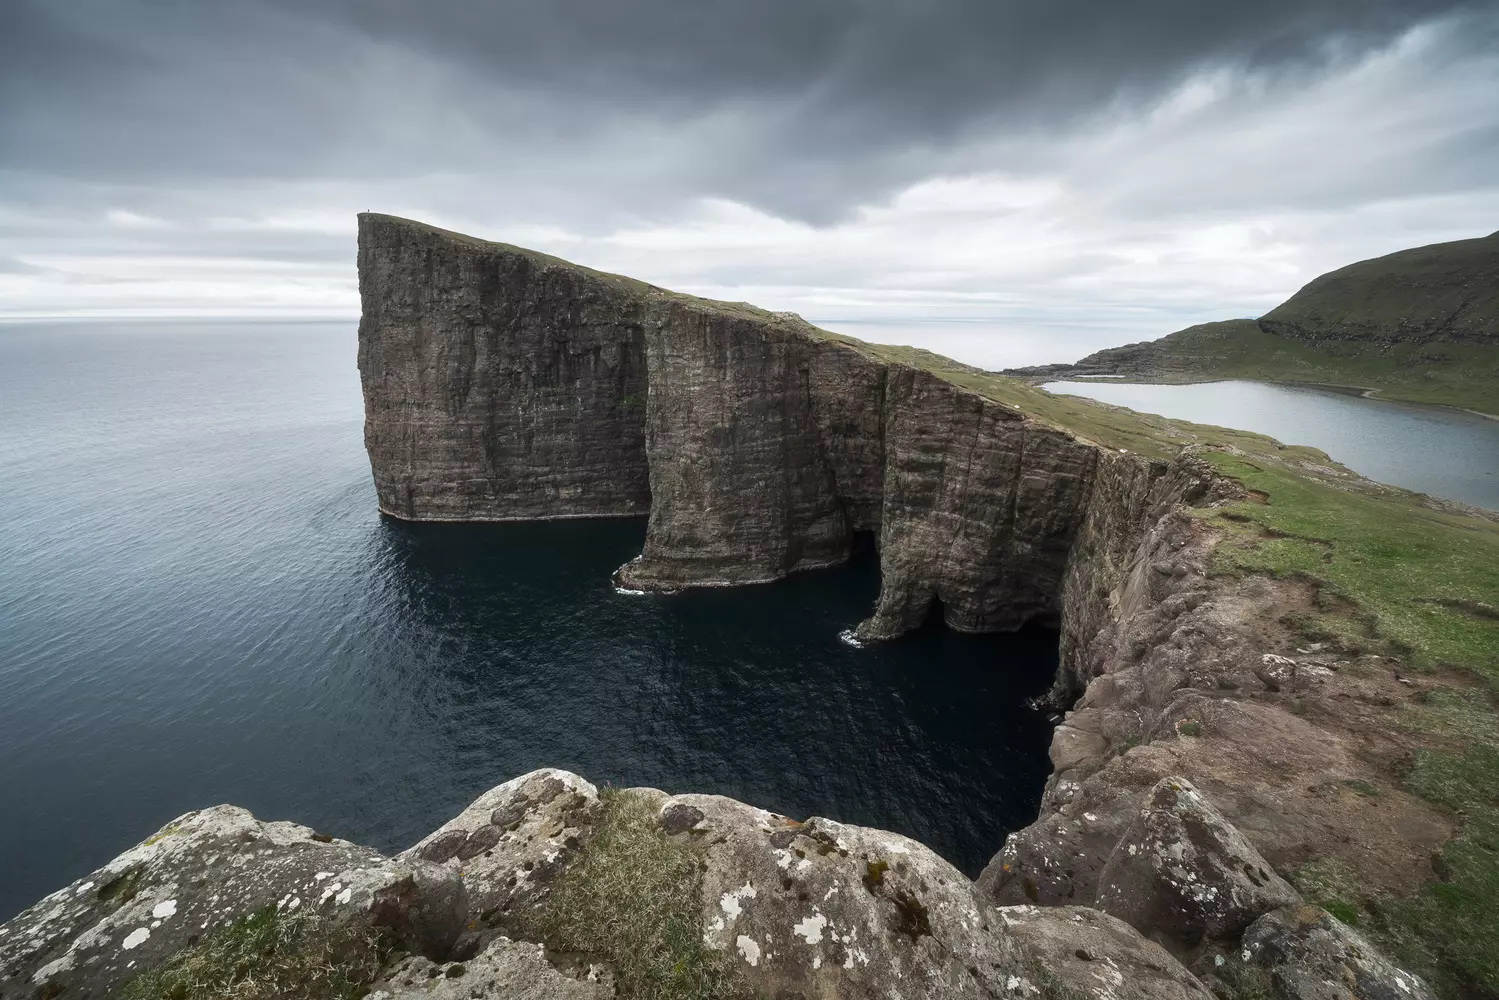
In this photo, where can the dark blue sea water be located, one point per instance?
(200, 604)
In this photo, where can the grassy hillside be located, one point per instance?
(1419, 325)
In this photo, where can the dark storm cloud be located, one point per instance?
(802, 107)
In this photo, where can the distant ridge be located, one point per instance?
(1419, 324)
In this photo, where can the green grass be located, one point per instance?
(268, 956)
(1406, 580)
(1407, 568)
(1242, 981)
(633, 896)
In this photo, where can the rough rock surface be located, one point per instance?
(1079, 949)
(1176, 670)
(504, 970)
(510, 843)
(809, 909)
(825, 909)
(204, 870)
(1313, 956)
(1181, 870)
(815, 908)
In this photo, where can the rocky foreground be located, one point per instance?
(492, 905)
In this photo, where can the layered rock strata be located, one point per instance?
(498, 385)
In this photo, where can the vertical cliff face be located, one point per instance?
(498, 384)
(980, 509)
(743, 488)
(504, 384)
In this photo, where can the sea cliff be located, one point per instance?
(502, 384)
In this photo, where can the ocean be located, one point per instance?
(199, 603)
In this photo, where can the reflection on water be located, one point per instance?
(1430, 449)
(199, 604)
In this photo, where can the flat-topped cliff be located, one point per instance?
(504, 384)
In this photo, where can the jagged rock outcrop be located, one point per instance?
(1190, 676)
(808, 908)
(1310, 955)
(206, 870)
(1181, 870)
(779, 907)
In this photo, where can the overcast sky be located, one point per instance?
(1011, 181)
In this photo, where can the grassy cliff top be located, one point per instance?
(1445, 291)
(373, 223)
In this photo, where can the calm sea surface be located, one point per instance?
(200, 604)
(1429, 449)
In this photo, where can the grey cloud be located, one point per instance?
(803, 107)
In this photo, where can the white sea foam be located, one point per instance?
(847, 636)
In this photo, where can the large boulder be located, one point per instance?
(823, 909)
(512, 841)
(1077, 951)
(205, 870)
(1183, 872)
(1312, 955)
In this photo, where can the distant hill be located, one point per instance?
(1420, 325)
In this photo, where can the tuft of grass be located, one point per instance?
(269, 955)
(1334, 885)
(1458, 939)
(1238, 980)
(634, 896)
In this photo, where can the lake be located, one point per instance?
(199, 604)
(1430, 449)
